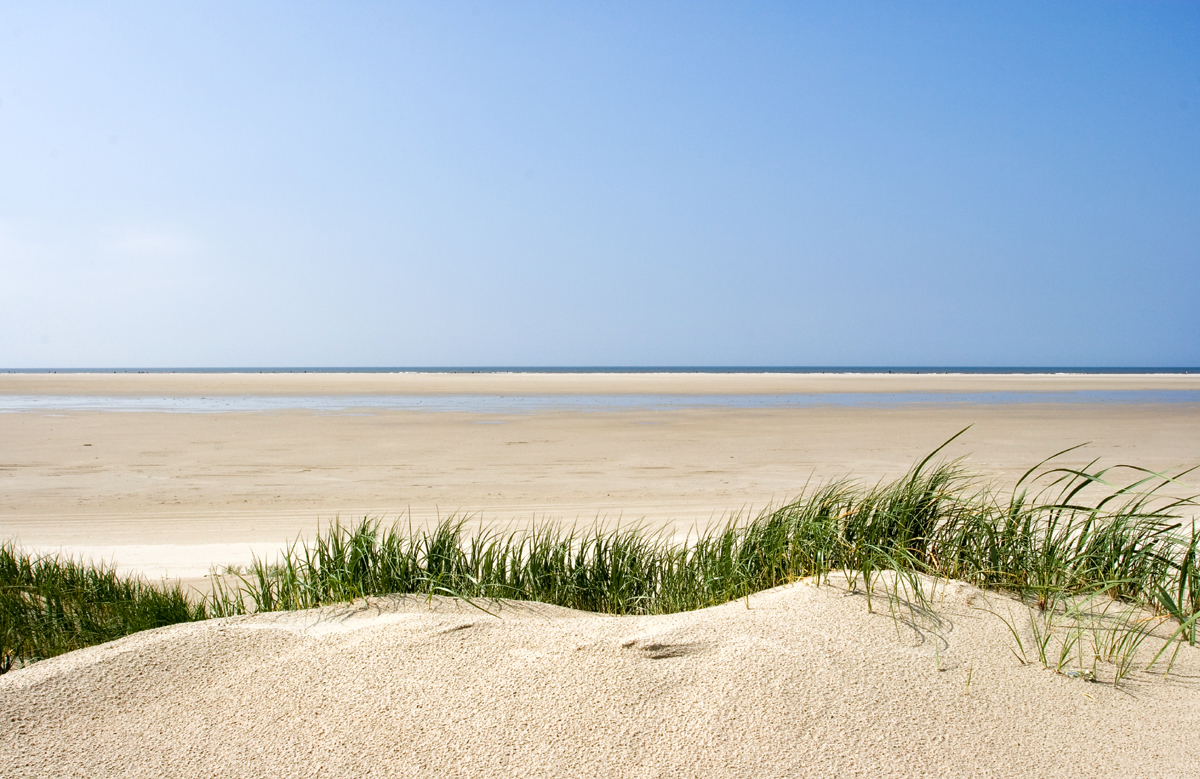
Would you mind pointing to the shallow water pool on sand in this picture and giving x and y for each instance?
(516, 404)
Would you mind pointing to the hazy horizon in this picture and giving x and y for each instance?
(901, 369)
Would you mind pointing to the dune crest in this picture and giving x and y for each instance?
(797, 681)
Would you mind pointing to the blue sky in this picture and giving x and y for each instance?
(389, 184)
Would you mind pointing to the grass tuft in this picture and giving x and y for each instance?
(1059, 533)
(50, 605)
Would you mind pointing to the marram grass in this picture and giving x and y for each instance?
(1059, 532)
(51, 605)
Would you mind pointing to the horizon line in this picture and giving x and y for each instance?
(982, 369)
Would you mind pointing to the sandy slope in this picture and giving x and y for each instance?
(800, 681)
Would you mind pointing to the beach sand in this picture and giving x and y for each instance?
(171, 494)
(798, 682)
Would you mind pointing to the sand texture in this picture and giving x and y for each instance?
(171, 494)
(799, 681)
(795, 682)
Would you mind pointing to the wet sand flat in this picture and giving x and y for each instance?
(418, 383)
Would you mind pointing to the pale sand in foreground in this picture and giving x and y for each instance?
(794, 682)
(172, 494)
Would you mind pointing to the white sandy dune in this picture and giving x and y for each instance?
(800, 681)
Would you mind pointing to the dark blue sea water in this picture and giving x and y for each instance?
(640, 369)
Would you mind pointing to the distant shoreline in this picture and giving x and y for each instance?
(741, 369)
(578, 383)
(541, 403)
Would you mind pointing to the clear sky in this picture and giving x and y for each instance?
(508, 183)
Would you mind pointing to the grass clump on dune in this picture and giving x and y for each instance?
(1059, 533)
(1076, 532)
(51, 605)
